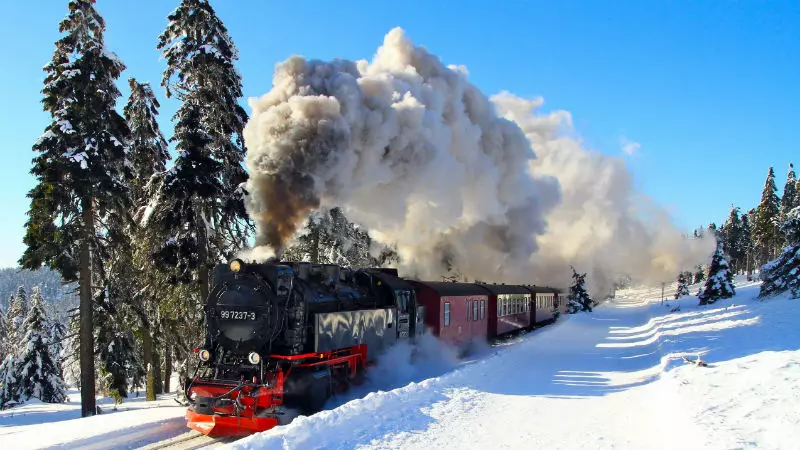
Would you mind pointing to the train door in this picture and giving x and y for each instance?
(406, 303)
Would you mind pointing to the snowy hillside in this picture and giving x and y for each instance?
(615, 378)
(612, 379)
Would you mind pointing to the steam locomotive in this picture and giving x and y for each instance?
(281, 337)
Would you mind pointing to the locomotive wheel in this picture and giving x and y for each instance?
(307, 390)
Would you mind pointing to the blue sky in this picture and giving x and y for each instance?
(708, 89)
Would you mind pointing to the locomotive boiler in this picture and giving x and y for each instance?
(282, 336)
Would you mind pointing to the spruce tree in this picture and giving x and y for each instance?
(17, 311)
(732, 239)
(39, 374)
(9, 381)
(747, 241)
(201, 204)
(58, 333)
(80, 167)
(783, 274)
(579, 299)
(719, 283)
(766, 234)
(683, 287)
(788, 199)
(5, 345)
(149, 156)
(148, 150)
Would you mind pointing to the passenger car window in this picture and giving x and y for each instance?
(447, 314)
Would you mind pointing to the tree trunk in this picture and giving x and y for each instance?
(86, 314)
(167, 367)
(158, 385)
(147, 346)
(202, 278)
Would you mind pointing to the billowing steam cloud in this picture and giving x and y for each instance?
(413, 150)
(602, 226)
(427, 162)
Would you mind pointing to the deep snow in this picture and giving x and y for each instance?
(614, 378)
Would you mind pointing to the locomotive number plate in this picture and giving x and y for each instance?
(237, 315)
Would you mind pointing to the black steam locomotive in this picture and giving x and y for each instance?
(284, 335)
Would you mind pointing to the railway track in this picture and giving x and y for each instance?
(189, 441)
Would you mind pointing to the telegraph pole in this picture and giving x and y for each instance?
(662, 292)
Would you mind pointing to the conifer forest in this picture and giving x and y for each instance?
(127, 219)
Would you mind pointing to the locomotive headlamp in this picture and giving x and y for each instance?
(254, 358)
(204, 355)
(236, 265)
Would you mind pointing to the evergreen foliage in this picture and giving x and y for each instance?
(719, 283)
(783, 273)
(17, 312)
(199, 206)
(766, 232)
(734, 240)
(578, 298)
(683, 287)
(788, 199)
(39, 374)
(330, 238)
(9, 381)
(80, 170)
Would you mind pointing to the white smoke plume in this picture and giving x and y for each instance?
(421, 158)
(602, 225)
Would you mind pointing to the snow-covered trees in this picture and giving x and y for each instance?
(9, 381)
(734, 241)
(330, 238)
(719, 283)
(579, 299)
(683, 287)
(17, 311)
(200, 205)
(789, 198)
(783, 274)
(766, 233)
(38, 372)
(80, 167)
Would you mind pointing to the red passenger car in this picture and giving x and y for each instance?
(545, 302)
(509, 309)
(455, 312)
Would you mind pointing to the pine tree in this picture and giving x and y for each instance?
(200, 206)
(747, 241)
(149, 155)
(719, 283)
(683, 287)
(17, 311)
(58, 333)
(39, 373)
(788, 199)
(732, 243)
(9, 381)
(80, 169)
(5, 346)
(148, 149)
(579, 299)
(783, 274)
(765, 228)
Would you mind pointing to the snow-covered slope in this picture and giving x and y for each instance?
(135, 422)
(615, 378)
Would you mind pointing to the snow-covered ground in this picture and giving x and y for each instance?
(135, 422)
(615, 378)
(612, 379)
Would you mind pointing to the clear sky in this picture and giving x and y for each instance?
(710, 90)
